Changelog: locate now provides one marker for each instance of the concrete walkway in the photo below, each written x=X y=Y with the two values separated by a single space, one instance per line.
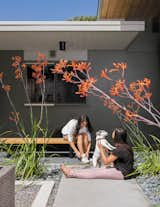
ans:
x=99 y=193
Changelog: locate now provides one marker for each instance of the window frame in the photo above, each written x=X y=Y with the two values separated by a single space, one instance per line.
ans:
x=54 y=103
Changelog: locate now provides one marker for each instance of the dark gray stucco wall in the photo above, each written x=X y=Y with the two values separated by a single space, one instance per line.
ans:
x=16 y=93
x=143 y=58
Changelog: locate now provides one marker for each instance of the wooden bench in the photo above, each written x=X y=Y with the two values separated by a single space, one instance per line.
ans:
x=38 y=140
x=17 y=141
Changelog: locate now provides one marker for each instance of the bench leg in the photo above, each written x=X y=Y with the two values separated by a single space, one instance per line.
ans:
x=71 y=154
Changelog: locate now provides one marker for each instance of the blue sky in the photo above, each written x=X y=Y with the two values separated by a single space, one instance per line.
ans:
x=46 y=9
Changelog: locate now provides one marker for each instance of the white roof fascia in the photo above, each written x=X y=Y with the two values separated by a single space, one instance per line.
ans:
x=71 y=26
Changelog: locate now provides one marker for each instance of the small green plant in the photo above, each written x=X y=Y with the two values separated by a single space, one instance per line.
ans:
x=146 y=152
x=150 y=164
x=26 y=157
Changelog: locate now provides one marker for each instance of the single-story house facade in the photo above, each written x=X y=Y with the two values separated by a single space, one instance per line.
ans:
x=99 y=42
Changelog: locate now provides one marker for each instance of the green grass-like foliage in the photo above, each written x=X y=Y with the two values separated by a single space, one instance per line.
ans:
x=26 y=157
x=150 y=164
x=148 y=153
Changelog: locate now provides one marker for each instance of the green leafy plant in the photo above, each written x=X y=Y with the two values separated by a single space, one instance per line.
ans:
x=26 y=157
x=145 y=151
x=150 y=164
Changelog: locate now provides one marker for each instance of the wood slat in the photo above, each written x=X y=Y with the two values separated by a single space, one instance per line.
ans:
x=129 y=9
x=38 y=140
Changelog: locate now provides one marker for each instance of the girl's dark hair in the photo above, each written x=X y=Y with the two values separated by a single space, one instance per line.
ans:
x=81 y=119
x=120 y=136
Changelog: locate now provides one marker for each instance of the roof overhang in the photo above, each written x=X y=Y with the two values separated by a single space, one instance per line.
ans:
x=78 y=35
x=128 y=9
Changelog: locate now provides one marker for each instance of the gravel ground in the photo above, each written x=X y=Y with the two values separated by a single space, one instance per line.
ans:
x=149 y=184
x=151 y=187
x=24 y=195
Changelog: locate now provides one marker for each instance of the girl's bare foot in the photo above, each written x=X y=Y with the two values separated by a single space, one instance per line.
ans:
x=65 y=170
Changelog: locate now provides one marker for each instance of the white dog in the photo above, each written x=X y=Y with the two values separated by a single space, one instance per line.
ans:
x=100 y=138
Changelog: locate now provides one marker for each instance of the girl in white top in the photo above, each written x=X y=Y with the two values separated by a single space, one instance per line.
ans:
x=80 y=131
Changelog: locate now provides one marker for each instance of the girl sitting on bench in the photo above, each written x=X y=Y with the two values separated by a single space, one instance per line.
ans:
x=122 y=158
x=79 y=131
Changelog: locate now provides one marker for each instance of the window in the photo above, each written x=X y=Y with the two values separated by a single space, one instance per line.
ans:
x=56 y=90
